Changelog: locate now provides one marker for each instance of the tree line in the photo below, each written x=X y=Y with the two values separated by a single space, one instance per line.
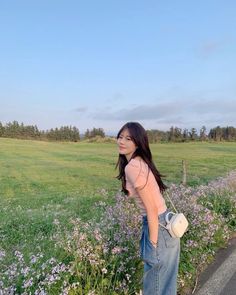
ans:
x=71 y=133
x=21 y=131
x=176 y=134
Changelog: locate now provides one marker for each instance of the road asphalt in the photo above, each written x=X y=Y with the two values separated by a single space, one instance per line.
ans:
x=219 y=278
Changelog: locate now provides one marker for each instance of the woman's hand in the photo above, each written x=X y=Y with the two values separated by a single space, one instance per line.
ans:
x=154 y=244
x=151 y=205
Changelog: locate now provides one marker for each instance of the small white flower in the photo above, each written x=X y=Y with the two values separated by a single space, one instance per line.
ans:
x=56 y=222
x=104 y=270
x=28 y=283
x=2 y=254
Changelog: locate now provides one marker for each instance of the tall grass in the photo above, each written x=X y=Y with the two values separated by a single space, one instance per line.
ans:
x=103 y=253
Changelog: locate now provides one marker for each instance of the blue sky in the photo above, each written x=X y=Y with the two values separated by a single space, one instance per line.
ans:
x=101 y=63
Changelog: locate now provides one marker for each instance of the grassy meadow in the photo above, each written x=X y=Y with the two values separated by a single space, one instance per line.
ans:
x=41 y=182
x=66 y=178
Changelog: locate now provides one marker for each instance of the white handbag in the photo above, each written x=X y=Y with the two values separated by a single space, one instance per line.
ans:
x=176 y=223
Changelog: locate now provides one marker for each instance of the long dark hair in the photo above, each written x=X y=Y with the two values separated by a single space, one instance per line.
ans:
x=139 y=137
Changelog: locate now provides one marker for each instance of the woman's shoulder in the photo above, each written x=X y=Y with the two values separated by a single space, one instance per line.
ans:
x=136 y=164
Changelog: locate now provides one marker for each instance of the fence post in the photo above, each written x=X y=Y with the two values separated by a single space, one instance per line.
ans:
x=184 y=172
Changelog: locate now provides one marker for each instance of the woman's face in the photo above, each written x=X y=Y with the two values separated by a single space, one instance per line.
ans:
x=126 y=146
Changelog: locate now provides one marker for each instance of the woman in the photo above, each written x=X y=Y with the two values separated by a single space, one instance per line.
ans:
x=142 y=181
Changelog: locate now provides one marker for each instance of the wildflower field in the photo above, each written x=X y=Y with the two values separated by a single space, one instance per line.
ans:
x=65 y=228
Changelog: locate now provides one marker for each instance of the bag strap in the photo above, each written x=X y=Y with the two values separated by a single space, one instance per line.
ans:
x=172 y=206
x=172 y=203
x=162 y=225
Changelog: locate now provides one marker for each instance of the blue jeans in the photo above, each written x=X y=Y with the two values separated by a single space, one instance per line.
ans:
x=160 y=263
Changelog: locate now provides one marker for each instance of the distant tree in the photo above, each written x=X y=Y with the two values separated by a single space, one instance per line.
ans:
x=193 y=134
x=216 y=133
x=185 y=134
x=178 y=134
x=64 y=133
x=155 y=135
x=75 y=136
x=211 y=134
x=12 y=129
x=2 y=129
x=171 y=134
x=222 y=133
x=94 y=132
x=87 y=133
x=16 y=130
x=229 y=133
x=203 y=135
x=175 y=134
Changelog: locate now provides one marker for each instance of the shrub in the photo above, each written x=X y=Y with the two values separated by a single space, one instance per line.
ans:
x=105 y=254
x=33 y=277
x=219 y=196
x=100 y=139
x=206 y=233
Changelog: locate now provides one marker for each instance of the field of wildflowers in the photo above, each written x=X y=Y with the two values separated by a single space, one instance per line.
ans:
x=101 y=256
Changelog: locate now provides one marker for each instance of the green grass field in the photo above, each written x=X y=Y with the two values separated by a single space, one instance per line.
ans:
x=44 y=181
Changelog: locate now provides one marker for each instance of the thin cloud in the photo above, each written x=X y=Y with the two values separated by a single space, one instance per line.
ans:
x=81 y=109
x=171 y=120
x=141 y=112
x=182 y=113
x=116 y=98
x=210 y=47
x=222 y=106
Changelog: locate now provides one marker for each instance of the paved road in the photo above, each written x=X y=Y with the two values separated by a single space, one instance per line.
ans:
x=220 y=277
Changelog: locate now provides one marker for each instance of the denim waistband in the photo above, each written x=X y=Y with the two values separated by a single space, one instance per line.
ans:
x=161 y=217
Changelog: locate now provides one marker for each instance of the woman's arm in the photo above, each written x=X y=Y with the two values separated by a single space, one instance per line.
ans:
x=137 y=176
x=150 y=203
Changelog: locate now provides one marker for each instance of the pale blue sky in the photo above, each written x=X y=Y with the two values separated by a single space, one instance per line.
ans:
x=100 y=63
